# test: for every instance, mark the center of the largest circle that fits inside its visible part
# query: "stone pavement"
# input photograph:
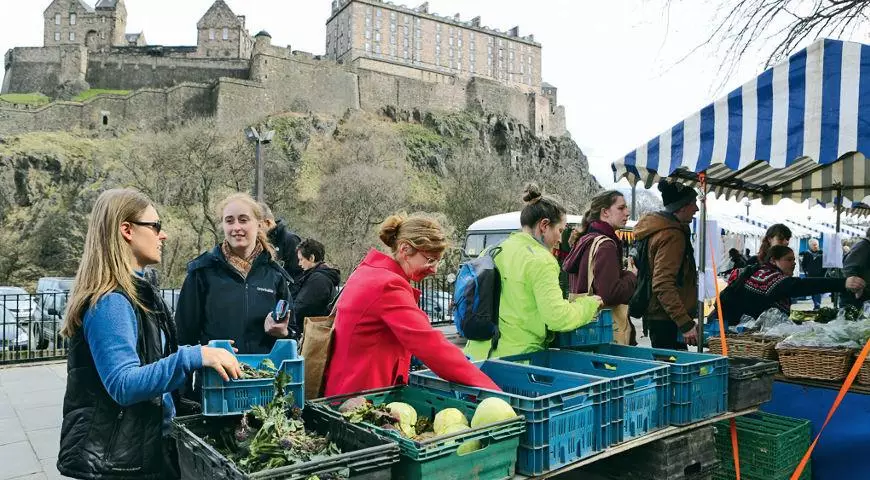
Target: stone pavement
(31, 399)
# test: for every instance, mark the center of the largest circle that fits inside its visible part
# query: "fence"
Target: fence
(30, 324)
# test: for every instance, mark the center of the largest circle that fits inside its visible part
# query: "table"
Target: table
(637, 442)
(843, 451)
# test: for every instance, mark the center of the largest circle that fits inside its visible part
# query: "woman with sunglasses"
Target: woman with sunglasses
(379, 323)
(123, 358)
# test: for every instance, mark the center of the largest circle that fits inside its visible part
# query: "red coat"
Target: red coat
(379, 325)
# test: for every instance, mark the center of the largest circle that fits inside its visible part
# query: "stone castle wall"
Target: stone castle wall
(131, 71)
(43, 69)
(242, 92)
(143, 109)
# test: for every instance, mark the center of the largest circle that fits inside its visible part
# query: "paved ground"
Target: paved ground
(30, 415)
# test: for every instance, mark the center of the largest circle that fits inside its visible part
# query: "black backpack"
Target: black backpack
(639, 302)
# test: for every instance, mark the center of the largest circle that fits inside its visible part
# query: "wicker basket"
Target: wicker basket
(747, 346)
(828, 364)
(864, 374)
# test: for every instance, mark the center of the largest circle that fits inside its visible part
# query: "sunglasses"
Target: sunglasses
(157, 226)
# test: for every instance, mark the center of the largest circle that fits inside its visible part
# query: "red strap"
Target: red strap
(843, 390)
(734, 446)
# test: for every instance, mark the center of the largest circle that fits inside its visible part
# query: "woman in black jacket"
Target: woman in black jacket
(772, 286)
(231, 290)
(317, 286)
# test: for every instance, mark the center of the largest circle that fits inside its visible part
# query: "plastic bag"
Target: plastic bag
(771, 318)
(746, 323)
(834, 334)
(785, 329)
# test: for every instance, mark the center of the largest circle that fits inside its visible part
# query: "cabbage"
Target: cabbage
(492, 410)
(406, 413)
(446, 418)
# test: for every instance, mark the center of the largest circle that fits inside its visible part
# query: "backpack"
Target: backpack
(476, 298)
(643, 293)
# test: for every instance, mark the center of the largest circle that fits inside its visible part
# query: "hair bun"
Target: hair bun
(532, 193)
(389, 232)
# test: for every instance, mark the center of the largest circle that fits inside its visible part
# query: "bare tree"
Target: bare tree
(777, 27)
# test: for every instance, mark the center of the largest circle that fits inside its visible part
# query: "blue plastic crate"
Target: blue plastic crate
(563, 410)
(599, 332)
(238, 396)
(699, 381)
(638, 395)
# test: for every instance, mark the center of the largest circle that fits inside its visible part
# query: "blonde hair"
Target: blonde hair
(259, 216)
(106, 264)
(418, 230)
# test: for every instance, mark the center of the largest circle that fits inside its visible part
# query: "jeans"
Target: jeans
(817, 301)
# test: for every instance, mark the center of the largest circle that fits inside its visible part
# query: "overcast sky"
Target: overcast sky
(614, 62)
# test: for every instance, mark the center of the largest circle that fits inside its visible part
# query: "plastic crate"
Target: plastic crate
(437, 458)
(599, 332)
(699, 381)
(638, 394)
(238, 396)
(771, 446)
(563, 411)
(750, 382)
(366, 455)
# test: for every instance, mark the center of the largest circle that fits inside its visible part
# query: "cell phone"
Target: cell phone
(280, 310)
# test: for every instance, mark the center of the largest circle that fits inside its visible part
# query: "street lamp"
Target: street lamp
(260, 138)
(747, 203)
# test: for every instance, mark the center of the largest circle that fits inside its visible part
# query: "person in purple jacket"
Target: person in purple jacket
(124, 362)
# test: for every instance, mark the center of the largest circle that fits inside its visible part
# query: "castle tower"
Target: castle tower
(74, 22)
(222, 33)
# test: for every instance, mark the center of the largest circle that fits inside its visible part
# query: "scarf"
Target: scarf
(242, 265)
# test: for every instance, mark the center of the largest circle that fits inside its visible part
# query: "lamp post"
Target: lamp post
(747, 203)
(260, 138)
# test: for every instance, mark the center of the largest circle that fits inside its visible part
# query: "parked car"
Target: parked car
(19, 303)
(437, 304)
(21, 315)
(13, 334)
(52, 294)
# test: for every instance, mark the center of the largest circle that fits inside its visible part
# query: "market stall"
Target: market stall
(798, 131)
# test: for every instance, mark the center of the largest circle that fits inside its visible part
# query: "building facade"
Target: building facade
(413, 37)
(74, 22)
(222, 34)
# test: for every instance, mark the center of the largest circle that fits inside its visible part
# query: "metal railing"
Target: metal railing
(30, 325)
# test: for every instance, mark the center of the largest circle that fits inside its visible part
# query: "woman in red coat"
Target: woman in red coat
(379, 324)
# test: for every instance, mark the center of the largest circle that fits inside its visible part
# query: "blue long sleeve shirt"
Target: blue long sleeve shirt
(111, 330)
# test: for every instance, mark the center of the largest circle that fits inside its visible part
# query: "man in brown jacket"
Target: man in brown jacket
(674, 299)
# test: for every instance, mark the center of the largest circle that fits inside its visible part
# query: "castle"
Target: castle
(378, 55)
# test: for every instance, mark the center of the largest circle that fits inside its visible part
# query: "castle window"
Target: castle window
(378, 13)
(72, 18)
(57, 19)
(450, 41)
(438, 37)
(56, 36)
(392, 15)
(368, 47)
(103, 19)
(226, 33)
(105, 119)
(368, 34)
(211, 34)
(377, 36)
(368, 22)
(72, 36)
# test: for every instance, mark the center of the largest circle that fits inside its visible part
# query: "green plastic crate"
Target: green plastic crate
(771, 446)
(727, 473)
(437, 458)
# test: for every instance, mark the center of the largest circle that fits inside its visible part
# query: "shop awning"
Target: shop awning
(799, 130)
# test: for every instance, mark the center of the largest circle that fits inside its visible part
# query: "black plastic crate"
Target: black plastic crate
(750, 382)
(687, 456)
(366, 455)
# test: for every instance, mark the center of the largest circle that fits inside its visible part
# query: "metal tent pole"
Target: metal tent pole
(702, 258)
(838, 204)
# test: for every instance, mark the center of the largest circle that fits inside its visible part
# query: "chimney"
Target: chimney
(475, 22)
(242, 19)
(514, 32)
(423, 8)
(334, 6)
(532, 38)
(456, 17)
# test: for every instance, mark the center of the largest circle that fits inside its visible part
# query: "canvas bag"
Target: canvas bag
(316, 348)
(621, 320)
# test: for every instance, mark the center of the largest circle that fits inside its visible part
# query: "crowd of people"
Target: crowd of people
(131, 362)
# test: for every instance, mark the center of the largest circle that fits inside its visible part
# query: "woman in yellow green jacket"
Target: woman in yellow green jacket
(531, 306)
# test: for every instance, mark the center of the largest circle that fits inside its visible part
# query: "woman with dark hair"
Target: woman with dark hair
(315, 288)
(606, 214)
(773, 285)
(736, 260)
(777, 234)
(531, 305)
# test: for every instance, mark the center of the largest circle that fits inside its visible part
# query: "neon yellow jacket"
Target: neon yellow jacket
(531, 305)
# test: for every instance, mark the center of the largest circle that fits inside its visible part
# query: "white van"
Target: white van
(492, 230)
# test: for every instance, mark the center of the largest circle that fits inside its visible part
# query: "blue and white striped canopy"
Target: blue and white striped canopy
(799, 130)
